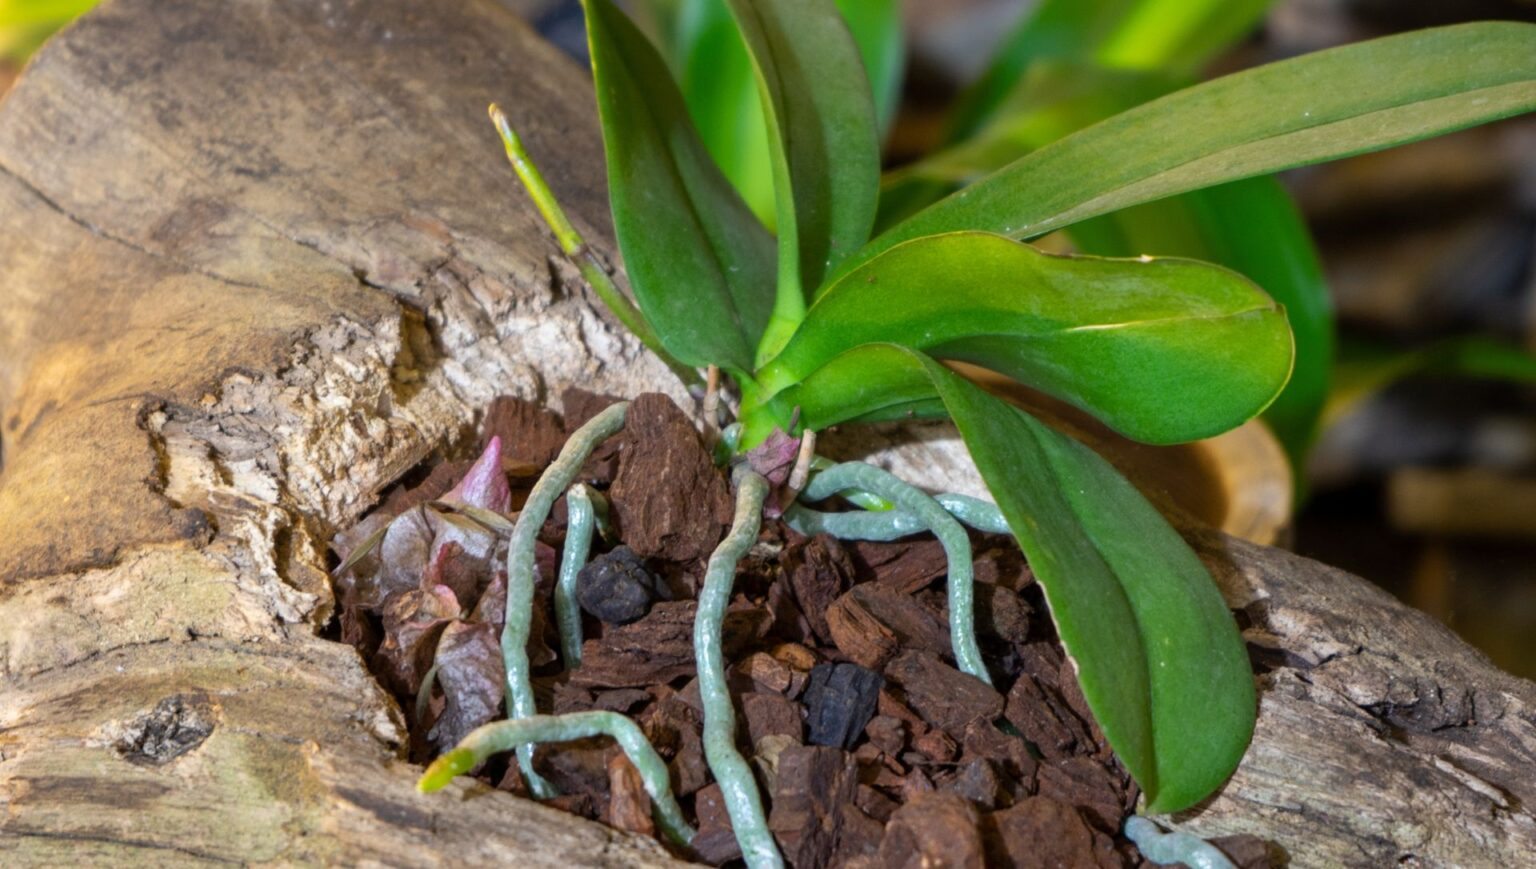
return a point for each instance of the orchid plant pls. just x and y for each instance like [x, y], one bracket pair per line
[823, 325]
[822, 322]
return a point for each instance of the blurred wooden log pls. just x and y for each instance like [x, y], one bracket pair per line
[258, 259]
[1462, 503]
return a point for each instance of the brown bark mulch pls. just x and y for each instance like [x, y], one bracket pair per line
[871, 748]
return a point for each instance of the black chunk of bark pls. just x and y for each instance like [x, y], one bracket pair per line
[841, 699]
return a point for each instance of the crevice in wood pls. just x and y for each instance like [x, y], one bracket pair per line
[105, 839]
[101, 233]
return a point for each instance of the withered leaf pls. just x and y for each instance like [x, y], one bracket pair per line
[413, 621]
[470, 672]
[403, 558]
[455, 570]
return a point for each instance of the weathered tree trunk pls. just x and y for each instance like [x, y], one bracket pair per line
[256, 260]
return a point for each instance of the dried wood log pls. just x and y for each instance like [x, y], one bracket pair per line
[259, 258]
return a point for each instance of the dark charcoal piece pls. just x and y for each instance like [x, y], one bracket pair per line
[841, 699]
[616, 587]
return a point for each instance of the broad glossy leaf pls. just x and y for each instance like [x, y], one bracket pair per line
[1250, 226]
[823, 147]
[1254, 228]
[1318, 107]
[1161, 350]
[700, 263]
[1158, 656]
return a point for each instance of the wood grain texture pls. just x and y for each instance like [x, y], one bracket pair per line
[259, 258]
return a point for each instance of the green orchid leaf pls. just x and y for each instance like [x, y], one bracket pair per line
[1162, 350]
[868, 383]
[1317, 107]
[823, 147]
[1157, 654]
[701, 265]
[1250, 226]
[876, 27]
[717, 79]
[1254, 228]
[1172, 36]
[1054, 99]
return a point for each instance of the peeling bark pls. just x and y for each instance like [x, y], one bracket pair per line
[260, 258]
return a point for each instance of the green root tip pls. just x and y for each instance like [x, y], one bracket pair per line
[445, 769]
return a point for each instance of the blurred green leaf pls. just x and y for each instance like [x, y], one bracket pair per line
[1178, 36]
[701, 266]
[1318, 107]
[26, 24]
[823, 148]
[1365, 369]
[1054, 99]
[1161, 350]
[15, 13]
[715, 74]
[876, 28]
[1171, 37]
[716, 77]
